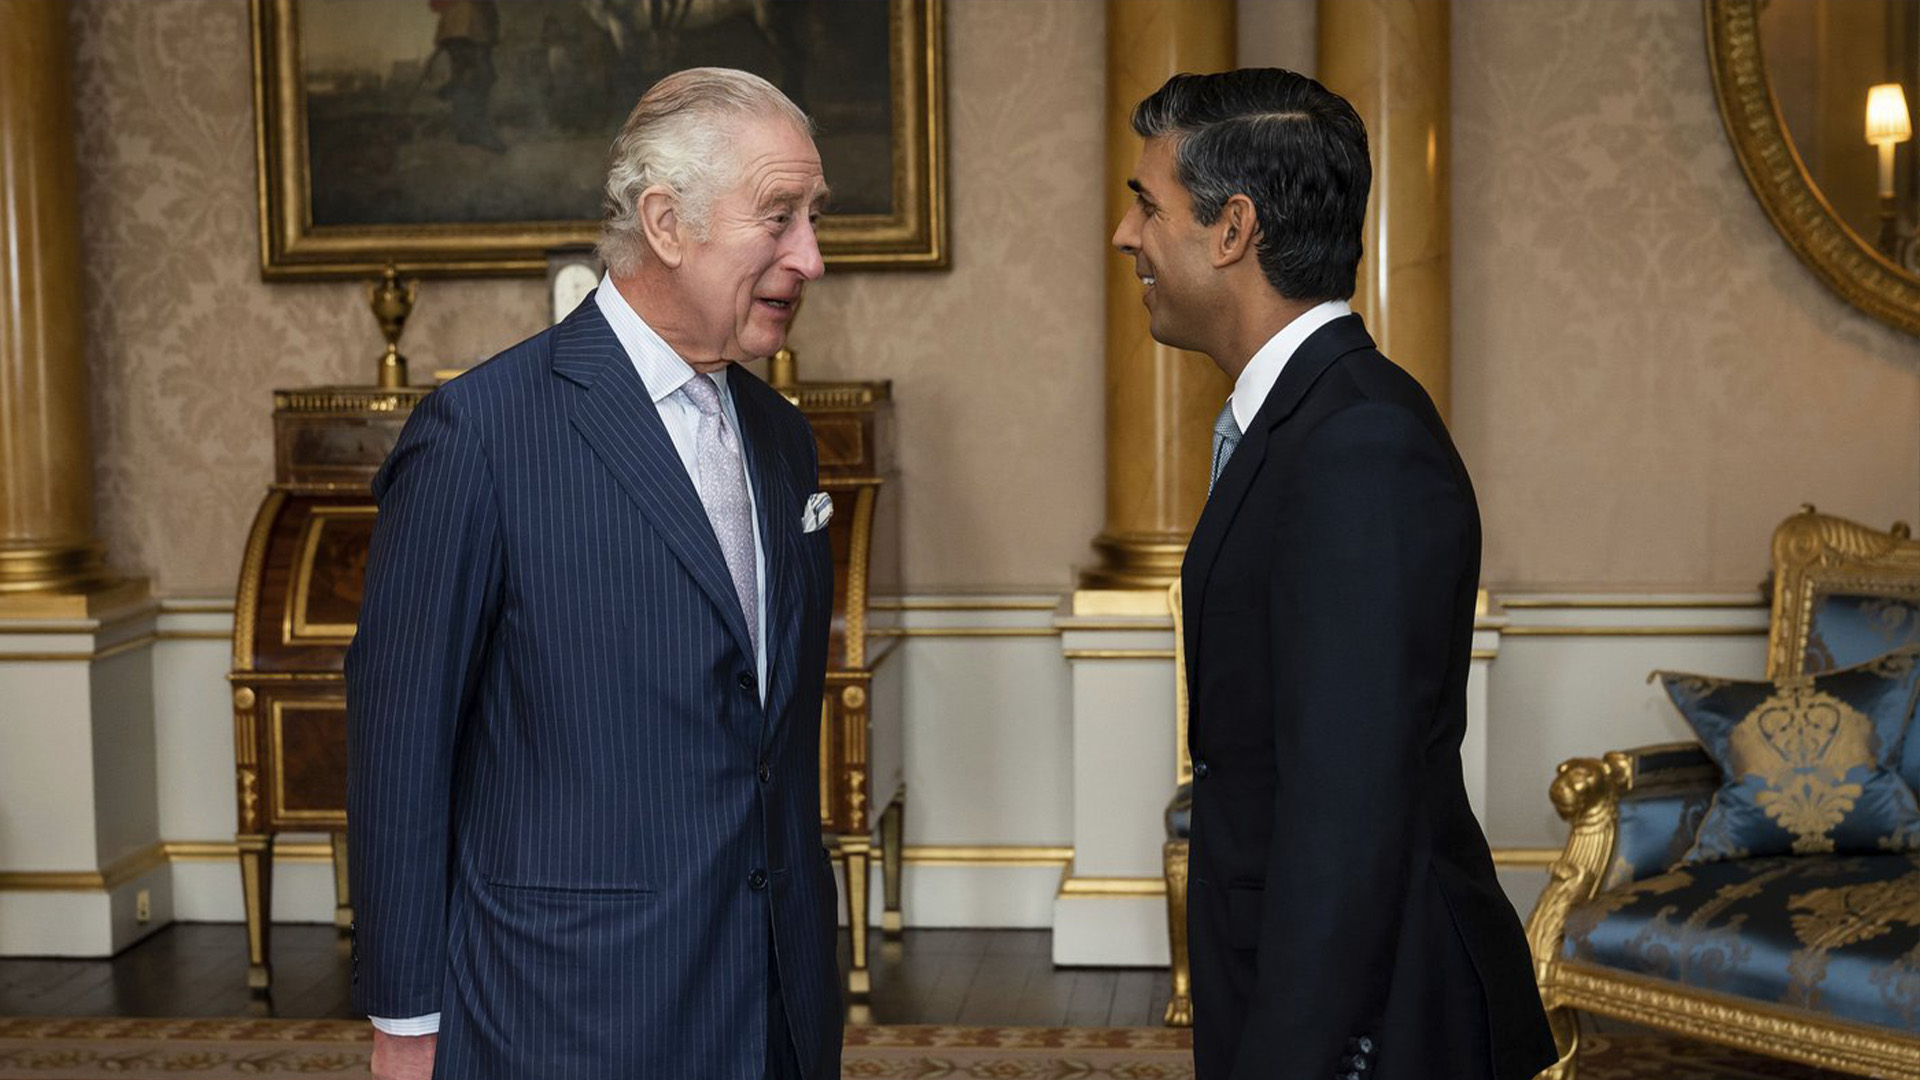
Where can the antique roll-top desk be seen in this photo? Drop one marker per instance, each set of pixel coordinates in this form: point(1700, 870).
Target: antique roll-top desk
point(299, 597)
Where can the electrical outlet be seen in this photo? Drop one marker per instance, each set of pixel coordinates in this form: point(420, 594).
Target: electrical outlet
point(143, 907)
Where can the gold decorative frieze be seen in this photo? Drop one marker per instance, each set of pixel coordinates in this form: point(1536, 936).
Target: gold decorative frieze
point(330, 400)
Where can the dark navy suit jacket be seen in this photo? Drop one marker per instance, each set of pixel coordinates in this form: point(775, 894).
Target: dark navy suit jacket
point(576, 832)
point(1344, 917)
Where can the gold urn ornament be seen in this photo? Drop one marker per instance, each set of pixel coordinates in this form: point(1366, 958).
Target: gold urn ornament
point(392, 301)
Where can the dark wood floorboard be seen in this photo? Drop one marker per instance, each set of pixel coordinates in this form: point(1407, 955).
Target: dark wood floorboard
point(975, 977)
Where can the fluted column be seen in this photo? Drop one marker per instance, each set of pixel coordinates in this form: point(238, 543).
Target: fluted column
point(47, 543)
point(1390, 59)
point(1160, 401)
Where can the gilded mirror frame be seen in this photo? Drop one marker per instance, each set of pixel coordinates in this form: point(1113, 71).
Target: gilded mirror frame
point(914, 235)
point(1839, 256)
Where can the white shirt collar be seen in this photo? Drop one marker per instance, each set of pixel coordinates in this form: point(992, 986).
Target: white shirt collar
point(1256, 380)
point(660, 367)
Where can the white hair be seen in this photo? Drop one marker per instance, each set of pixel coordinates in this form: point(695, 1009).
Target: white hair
point(681, 136)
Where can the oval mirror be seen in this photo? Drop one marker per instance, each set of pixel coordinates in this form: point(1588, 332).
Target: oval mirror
point(1817, 96)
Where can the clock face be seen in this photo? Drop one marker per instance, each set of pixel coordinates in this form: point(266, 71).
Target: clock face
point(571, 284)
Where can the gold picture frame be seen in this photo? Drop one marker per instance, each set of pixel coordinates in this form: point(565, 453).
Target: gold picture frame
point(908, 231)
point(1833, 251)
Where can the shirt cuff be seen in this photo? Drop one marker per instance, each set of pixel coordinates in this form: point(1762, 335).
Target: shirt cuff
point(412, 1025)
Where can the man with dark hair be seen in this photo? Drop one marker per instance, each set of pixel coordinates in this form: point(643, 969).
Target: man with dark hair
point(1344, 916)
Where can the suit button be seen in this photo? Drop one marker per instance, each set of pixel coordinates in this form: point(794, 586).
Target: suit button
point(747, 681)
point(1199, 770)
point(766, 773)
point(757, 880)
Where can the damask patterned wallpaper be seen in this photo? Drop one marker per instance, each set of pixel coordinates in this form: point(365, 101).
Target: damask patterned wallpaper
point(1646, 380)
point(996, 363)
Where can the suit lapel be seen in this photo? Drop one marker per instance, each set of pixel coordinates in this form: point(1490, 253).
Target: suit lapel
point(619, 420)
point(1315, 355)
point(777, 506)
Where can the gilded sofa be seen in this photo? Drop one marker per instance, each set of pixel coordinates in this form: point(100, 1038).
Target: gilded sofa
point(1179, 818)
point(1810, 958)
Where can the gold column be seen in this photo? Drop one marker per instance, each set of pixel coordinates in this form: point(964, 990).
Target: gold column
point(47, 546)
point(1160, 401)
point(1390, 59)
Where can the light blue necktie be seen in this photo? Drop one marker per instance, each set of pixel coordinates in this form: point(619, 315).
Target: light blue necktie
point(723, 491)
point(1226, 436)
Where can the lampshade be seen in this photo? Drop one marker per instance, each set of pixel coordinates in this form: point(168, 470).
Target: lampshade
point(1887, 118)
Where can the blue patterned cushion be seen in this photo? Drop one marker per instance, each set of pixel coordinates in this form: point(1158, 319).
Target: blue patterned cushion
point(1806, 761)
point(1839, 936)
point(1850, 628)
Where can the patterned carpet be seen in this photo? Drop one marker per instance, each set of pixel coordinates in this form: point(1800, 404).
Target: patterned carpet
point(233, 1049)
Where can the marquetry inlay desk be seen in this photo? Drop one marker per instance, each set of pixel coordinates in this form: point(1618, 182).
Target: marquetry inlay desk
point(299, 600)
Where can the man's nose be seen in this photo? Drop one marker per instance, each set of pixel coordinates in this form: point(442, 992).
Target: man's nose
point(805, 255)
point(1125, 240)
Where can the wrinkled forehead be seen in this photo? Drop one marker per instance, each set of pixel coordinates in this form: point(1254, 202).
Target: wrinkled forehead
point(777, 161)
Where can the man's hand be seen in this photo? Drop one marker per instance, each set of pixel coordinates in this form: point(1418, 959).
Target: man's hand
point(403, 1057)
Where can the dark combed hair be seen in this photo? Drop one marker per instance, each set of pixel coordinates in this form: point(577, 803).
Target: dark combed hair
point(1294, 148)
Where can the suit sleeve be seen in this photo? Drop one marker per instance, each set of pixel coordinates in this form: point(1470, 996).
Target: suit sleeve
point(431, 592)
point(1361, 598)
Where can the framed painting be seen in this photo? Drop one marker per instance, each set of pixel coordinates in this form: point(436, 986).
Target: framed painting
point(471, 136)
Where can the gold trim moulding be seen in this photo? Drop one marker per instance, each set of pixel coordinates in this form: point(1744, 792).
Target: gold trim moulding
point(221, 850)
point(1631, 603)
point(1525, 858)
point(986, 856)
point(1117, 654)
point(1111, 886)
point(907, 603)
point(87, 657)
point(1138, 602)
point(962, 631)
point(117, 873)
point(101, 604)
point(1741, 1023)
point(1634, 631)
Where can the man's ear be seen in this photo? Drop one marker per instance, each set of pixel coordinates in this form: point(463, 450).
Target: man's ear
point(1236, 231)
point(664, 228)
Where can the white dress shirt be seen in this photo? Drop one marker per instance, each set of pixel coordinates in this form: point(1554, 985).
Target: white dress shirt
point(665, 373)
point(1256, 380)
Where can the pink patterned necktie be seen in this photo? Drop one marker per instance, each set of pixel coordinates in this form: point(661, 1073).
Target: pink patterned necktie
point(723, 491)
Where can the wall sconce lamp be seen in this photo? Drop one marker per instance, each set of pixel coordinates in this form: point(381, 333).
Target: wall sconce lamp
point(1888, 125)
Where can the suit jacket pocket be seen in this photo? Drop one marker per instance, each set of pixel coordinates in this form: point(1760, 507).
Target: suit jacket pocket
point(1244, 904)
point(570, 892)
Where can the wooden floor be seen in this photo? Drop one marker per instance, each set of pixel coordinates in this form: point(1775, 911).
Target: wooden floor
point(973, 977)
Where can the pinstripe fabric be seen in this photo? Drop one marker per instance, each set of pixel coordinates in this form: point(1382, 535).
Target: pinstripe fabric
point(555, 795)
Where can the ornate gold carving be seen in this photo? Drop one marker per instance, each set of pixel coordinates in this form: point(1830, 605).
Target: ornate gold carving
point(1737, 1022)
point(1815, 554)
point(862, 541)
point(243, 698)
point(813, 397)
point(351, 400)
point(1834, 252)
point(853, 697)
point(249, 799)
point(246, 606)
point(1180, 1004)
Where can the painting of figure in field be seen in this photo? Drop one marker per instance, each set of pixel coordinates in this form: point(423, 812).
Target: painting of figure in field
point(478, 112)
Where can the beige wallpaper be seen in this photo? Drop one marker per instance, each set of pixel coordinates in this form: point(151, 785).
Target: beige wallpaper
point(1645, 378)
point(996, 363)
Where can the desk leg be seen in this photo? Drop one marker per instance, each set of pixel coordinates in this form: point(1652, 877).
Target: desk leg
point(856, 853)
point(342, 894)
point(256, 881)
point(1180, 1004)
point(892, 828)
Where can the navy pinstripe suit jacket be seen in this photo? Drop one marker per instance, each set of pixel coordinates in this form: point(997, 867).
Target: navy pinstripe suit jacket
point(573, 825)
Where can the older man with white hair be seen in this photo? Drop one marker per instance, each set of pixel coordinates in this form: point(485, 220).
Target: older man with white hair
point(583, 698)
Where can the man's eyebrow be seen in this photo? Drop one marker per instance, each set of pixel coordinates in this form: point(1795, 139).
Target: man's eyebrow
point(1139, 189)
point(789, 198)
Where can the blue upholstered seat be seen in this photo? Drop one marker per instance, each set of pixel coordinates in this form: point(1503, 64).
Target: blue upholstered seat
point(1180, 813)
point(1837, 935)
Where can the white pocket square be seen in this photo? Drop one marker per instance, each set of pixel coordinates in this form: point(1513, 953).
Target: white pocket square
point(819, 511)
